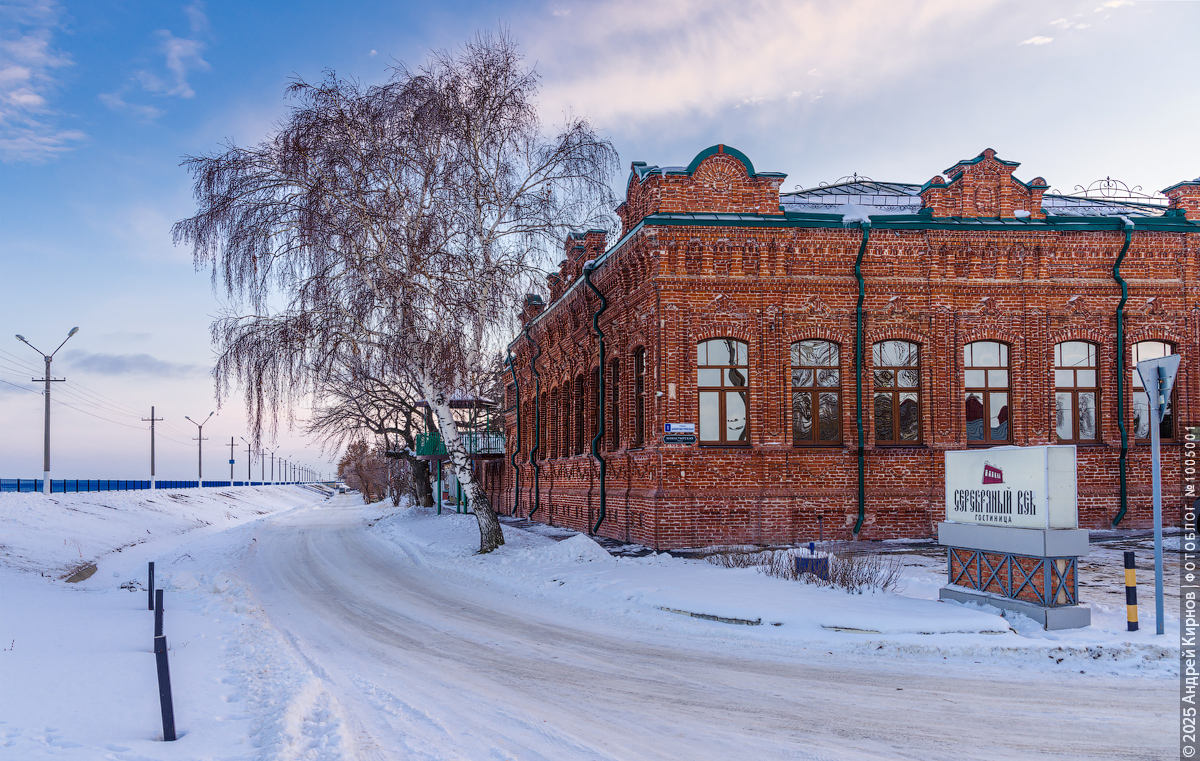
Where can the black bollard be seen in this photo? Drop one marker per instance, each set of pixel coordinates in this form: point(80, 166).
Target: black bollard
point(164, 689)
point(158, 613)
point(150, 587)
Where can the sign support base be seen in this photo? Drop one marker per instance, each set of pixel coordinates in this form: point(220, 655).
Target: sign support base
point(1064, 617)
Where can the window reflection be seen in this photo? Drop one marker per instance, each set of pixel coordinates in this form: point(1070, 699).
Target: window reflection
point(722, 366)
point(816, 394)
point(897, 377)
point(986, 383)
point(1075, 391)
point(1142, 415)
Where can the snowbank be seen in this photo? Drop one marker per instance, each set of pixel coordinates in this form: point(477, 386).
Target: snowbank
point(56, 534)
point(79, 671)
point(651, 592)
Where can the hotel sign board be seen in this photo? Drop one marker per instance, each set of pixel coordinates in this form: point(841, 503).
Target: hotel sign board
point(1012, 487)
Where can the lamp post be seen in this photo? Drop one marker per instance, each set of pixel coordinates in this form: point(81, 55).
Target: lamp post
point(48, 380)
point(273, 451)
point(200, 444)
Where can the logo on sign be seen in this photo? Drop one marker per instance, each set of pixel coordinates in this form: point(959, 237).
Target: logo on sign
point(992, 474)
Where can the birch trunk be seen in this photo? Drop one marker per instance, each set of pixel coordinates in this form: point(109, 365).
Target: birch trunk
point(490, 535)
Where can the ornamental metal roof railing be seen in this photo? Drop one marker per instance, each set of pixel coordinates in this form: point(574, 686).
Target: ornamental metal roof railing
point(1105, 198)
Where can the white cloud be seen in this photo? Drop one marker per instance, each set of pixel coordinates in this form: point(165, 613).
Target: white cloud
point(633, 62)
point(197, 20)
point(116, 102)
point(1037, 41)
point(29, 129)
point(1063, 23)
point(182, 56)
point(1113, 4)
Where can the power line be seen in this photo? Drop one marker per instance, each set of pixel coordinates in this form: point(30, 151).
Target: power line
point(86, 396)
point(20, 387)
point(92, 414)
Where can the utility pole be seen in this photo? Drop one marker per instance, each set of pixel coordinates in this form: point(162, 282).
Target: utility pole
point(249, 459)
point(231, 446)
point(47, 380)
point(152, 420)
point(200, 438)
point(262, 465)
point(273, 451)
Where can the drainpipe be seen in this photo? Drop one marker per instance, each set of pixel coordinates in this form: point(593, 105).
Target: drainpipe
point(517, 451)
point(537, 424)
point(1121, 368)
point(858, 365)
point(587, 278)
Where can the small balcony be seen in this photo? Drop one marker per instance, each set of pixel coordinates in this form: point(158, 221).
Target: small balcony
point(477, 443)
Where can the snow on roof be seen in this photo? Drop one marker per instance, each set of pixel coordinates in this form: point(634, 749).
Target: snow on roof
point(877, 197)
point(1081, 206)
point(904, 198)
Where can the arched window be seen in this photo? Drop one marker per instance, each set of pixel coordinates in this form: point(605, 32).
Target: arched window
point(897, 382)
point(816, 393)
point(564, 411)
point(1141, 401)
point(987, 392)
point(1076, 392)
point(722, 372)
point(639, 396)
point(580, 416)
point(552, 432)
point(614, 418)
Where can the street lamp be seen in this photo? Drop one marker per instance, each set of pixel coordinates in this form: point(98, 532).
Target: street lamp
point(48, 380)
point(200, 445)
point(273, 451)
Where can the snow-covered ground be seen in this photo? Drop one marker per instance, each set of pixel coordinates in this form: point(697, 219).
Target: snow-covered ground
point(310, 629)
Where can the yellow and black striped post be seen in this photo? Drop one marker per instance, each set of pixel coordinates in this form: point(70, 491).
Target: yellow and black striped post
point(1130, 592)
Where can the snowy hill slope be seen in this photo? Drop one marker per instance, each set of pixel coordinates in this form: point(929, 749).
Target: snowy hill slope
point(58, 533)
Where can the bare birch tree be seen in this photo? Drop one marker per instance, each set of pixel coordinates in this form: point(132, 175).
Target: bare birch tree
point(399, 219)
point(355, 401)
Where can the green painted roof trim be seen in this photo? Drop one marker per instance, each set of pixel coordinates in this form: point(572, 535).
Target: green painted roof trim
point(1176, 224)
point(721, 148)
point(921, 222)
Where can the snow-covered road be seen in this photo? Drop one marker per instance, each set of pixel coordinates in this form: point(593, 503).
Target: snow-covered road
point(413, 664)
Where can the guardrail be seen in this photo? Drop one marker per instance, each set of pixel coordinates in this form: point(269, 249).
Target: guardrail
point(69, 485)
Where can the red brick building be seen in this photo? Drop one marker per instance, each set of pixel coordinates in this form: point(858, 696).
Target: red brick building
point(828, 345)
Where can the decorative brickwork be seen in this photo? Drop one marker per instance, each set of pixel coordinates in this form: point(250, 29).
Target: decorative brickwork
point(984, 187)
point(966, 268)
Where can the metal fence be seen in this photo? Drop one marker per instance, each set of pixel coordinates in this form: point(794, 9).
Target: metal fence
point(68, 485)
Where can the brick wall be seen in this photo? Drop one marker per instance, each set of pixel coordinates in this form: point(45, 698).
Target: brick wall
point(671, 286)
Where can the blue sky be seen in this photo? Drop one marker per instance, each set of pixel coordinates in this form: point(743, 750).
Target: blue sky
point(101, 99)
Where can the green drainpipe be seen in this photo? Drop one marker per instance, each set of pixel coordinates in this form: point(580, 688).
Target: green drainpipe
point(1121, 369)
point(858, 365)
point(537, 424)
point(587, 278)
point(517, 451)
